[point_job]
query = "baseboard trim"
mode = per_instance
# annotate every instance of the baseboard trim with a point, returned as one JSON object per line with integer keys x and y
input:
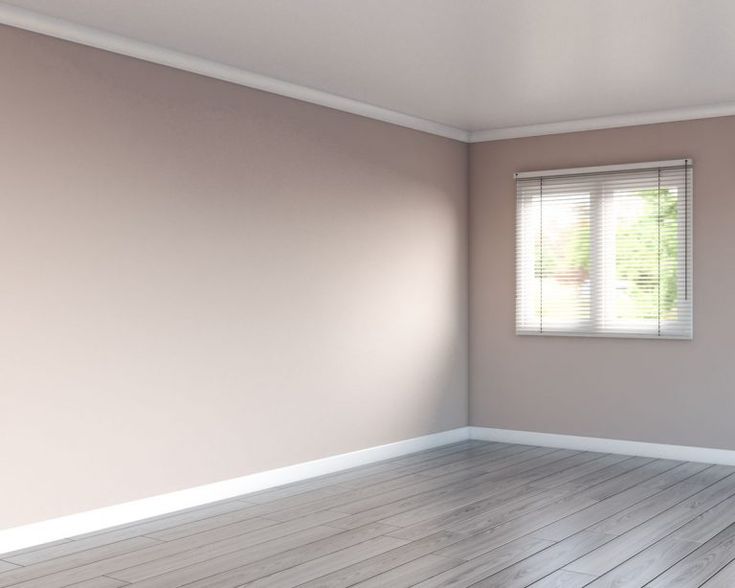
{"x": 640, "y": 448}
{"x": 130, "y": 512}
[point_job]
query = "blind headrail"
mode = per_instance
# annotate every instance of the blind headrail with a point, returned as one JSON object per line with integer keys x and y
{"x": 575, "y": 171}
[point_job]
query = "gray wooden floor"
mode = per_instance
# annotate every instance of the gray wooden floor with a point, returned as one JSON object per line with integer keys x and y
{"x": 470, "y": 514}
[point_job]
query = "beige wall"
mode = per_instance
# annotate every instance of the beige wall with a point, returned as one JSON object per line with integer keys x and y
{"x": 661, "y": 391}
{"x": 201, "y": 281}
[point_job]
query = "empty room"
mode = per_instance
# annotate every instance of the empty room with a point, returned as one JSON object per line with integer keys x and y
{"x": 367, "y": 293}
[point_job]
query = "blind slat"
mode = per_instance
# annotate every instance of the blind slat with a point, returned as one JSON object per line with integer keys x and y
{"x": 606, "y": 253}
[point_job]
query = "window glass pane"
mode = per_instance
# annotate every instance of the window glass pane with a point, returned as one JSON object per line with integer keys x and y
{"x": 563, "y": 260}
{"x": 646, "y": 254}
{"x": 605, "y": 253}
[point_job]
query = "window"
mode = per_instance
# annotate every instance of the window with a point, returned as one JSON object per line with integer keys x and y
{"x": 605, "y": 251}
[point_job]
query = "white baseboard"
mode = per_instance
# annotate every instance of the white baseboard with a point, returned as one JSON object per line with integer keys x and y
{"x": 640, "y": 448}
{"x": 129, "y": 512}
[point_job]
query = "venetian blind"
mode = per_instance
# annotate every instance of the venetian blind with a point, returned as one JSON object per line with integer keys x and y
{"x": 605, "y": 251}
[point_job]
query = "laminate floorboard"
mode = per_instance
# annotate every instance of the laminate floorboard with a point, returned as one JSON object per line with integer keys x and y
{"x": 472, "y": 513}
{"x": 725, "y": 578}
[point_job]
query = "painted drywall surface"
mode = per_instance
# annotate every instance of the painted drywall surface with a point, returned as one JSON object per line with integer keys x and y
{"x": 200, "y": 281}
{"x": 660, "y": 391}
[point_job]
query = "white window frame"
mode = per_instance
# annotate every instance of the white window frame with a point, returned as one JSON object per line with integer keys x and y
{"x": 597, "y": 203}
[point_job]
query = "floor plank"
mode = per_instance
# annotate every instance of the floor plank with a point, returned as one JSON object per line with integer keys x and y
{"x": 101, "y": 582}
{"x": 6, "y": 566}
{"x": 701, "y": 564}
{"x": 39, "y": 573}
{"x": 299, "y": 574}
{"x": 612, "y": 505}
{"x": 646, "y": 565}
{"x": 545, "y": 562}
{"x": 725, "y": 578}
{"x": 647, "y": 509}
{"x": 222, "y": 555}
{"x": 468, "y": 514}
{"x": 639, "y": 538}
{"x": 469, "y": 572}
{"x": 428, "y": 489}
{"x": 563, "y": 579}
{"x": 514, "y": 497}
{"x": 239, "y": 574}
{"x": 373, "y": 566}
{"x": 483, "y": 539}
{"x": 409, "y": 574}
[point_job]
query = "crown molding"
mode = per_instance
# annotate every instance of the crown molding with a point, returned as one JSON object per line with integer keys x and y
{"x": 69, "y": 31}
{"x": 604, "y": 122}
{"x": 92, "y": 37}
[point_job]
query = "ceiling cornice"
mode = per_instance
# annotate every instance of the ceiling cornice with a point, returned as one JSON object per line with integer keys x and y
{"x": 69, "y": 31}
{"x": 604, "y": 122}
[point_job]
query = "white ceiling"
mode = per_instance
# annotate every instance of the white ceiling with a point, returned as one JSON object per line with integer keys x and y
{"x": 475, "y": 65}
